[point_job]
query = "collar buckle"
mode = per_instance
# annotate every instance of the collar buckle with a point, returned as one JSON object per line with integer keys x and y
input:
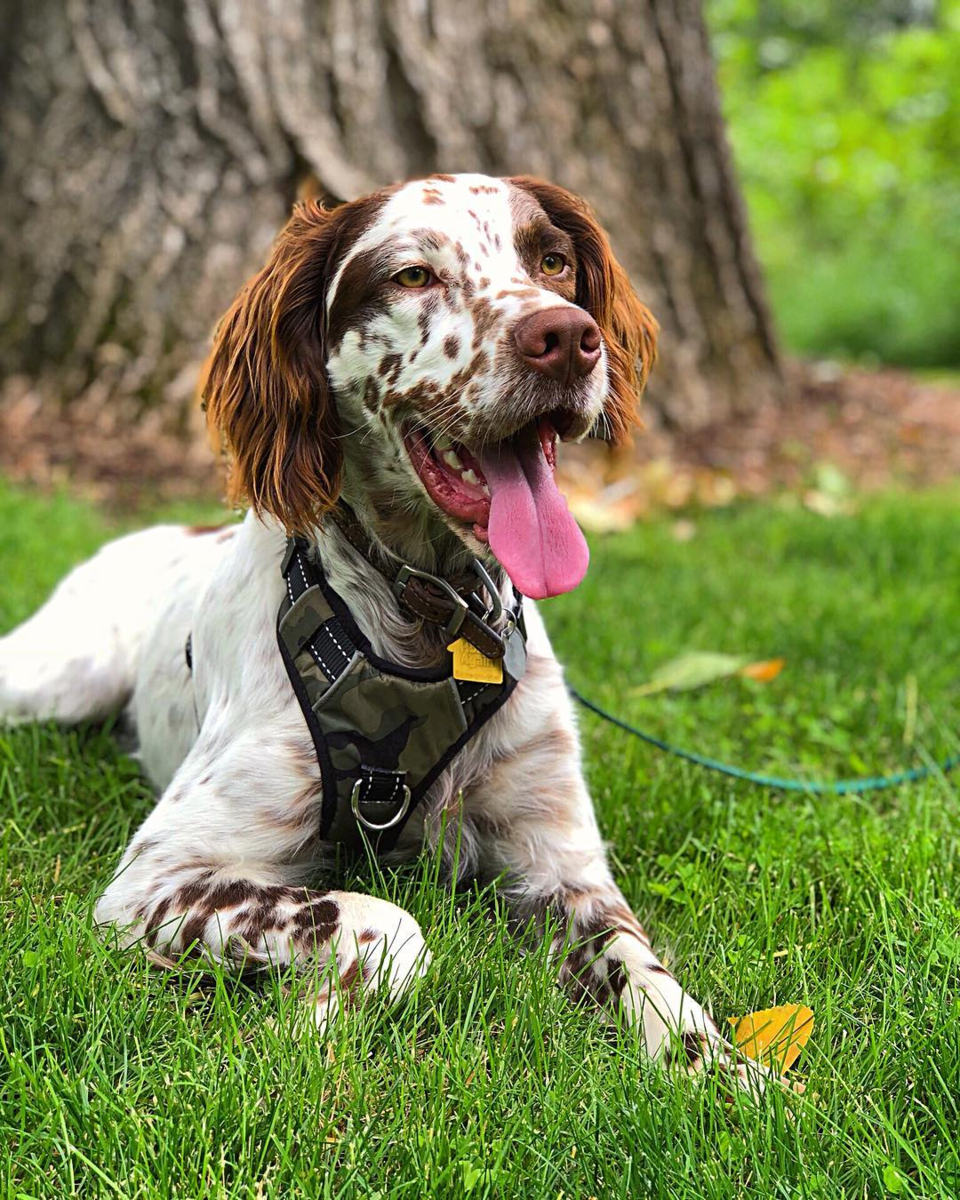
{"x": 460, "y": 606}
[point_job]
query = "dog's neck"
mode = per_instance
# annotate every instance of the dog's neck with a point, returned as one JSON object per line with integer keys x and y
{"x": 417, "y": 538}
{"x": 361, "y": 565}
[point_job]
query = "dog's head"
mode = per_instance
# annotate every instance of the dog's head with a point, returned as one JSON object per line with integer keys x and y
{"x": 422, "y": 350}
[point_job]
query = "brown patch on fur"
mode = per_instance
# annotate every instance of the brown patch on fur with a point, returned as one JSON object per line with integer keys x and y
{"x": 485, "y": 318}
{"x": 431, "y": 239}
{"x": 483, "y": 189}
{"x": 367, "y": 936}
{"x": 265, "y": 384}
{"x": 316, "y": 922}
{"x": 616, "y": 977}
{"x": 351, "y": 982}
{"x": 194, "y": 891}
{"x": 371, "y": 395}
{"x": 156, "y": 919}
{"x": 451, "y": 345}
{"x": 230, "y": 893}
{"x": 693, "y": 1044}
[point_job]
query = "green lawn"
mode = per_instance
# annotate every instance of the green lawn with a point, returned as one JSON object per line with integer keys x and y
{"x": 118, "y": 1079}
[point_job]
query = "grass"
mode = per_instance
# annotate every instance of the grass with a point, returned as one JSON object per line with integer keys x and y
{"x": 120, "y": 1080}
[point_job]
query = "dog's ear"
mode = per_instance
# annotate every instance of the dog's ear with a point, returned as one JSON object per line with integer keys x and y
{"x": 629, "y": 328}
{"x": 265, "y": 385}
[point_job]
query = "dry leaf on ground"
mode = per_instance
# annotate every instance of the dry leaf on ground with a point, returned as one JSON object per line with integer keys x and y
{"x": 774, "y": 1036}
{"x": 763, "y": 672}
{"x": 691, "y": 670}
{"x": 697, "y": 668}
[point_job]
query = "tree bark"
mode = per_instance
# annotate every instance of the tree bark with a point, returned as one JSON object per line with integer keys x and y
{"x": 152, "y": 150}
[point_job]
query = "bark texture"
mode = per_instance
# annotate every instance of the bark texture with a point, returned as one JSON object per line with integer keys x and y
{"x": 151, "y": 151}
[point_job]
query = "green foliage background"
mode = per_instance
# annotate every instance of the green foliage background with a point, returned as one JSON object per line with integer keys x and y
{"x": 845, "y": 123}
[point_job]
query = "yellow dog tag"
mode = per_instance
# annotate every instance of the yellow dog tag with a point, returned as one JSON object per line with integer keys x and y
{"x": 470, "y": 665}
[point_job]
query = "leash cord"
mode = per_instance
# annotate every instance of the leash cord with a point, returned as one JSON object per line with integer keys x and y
{"x": 841, "y": 787}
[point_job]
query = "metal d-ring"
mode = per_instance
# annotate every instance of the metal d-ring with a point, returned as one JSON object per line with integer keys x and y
{"x": 398, "y": 816}
{"x": 495, "y": 612}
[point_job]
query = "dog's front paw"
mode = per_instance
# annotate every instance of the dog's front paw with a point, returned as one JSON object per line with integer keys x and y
{"x": 702, "y": 1056}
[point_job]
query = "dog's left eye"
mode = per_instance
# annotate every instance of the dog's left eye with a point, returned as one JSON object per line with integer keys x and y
{"x": 414, "y": 277}
{"x": 552, "y": 264}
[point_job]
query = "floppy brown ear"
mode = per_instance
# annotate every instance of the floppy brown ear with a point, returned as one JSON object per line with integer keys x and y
{"x": 265, "y": 384}
{"x": 629, "y": 328}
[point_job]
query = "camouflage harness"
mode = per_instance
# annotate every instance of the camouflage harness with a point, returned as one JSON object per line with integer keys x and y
{"x": 382, "y": 732}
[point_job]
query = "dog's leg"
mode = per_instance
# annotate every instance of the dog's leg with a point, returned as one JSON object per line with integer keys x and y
{"x": 538, "y": 832}
{"x": 75, "y": 659}
{"x": 214, "y": 872}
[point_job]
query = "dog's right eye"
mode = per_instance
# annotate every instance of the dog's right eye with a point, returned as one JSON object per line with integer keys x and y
{"x": 414, "y": 277}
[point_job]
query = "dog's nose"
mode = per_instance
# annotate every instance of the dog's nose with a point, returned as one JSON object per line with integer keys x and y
{"x": 561, "y": 343}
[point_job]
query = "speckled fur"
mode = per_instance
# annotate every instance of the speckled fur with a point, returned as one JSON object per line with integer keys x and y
{"x": 226, "y": 864}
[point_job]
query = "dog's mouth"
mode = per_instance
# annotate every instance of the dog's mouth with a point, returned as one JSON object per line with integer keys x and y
{"x": 507, "y": 493}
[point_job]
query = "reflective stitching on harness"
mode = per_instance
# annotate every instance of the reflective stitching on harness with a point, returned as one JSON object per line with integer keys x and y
{"x": 336, "y": 641}
{"x": 328, "y": 671}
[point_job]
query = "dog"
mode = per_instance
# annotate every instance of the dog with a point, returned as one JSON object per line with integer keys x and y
{"x": 410, "y": 359}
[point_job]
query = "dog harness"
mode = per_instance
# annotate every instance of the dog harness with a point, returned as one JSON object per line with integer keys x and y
{"x": 383, "y": 732}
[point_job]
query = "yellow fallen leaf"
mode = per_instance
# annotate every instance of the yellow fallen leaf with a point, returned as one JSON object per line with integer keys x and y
{"x": 774, "y": 1036}
{"x": 763, "y": 672}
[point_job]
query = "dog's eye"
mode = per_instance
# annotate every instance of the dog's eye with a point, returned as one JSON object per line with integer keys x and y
{"x": 552, "y": 264}
{"x": 414, "y": 277}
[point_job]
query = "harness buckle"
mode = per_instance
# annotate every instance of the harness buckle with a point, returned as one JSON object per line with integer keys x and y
{"x": 461, "y": 608}
{"x": 355, "y": 808}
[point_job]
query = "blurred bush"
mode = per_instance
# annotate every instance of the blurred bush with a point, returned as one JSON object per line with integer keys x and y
{"x": 845, "y": 123}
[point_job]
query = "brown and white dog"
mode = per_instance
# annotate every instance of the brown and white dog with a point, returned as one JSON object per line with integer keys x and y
{"x": 417, "y": 354}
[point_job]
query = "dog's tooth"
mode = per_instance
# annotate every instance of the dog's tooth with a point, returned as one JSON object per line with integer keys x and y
{"x": 470, "y": 477}
{"x": 442, "y": 443}
{"x": 450, "y": 458}
{"x": 484, "y": 489}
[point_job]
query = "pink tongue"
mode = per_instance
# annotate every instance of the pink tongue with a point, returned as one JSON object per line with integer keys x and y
{"x": 531, "y": 530}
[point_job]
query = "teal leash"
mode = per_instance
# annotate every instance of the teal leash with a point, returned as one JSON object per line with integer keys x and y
{"x": 842, "y": 787}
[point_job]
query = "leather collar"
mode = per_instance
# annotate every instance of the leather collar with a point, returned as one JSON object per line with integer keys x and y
{"x": 455, "y": 604}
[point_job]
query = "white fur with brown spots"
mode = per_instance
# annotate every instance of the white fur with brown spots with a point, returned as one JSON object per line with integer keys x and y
{"x": 322, "y": 369}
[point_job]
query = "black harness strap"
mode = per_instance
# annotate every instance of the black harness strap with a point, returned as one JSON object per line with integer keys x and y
{"x": 382, "y": 732}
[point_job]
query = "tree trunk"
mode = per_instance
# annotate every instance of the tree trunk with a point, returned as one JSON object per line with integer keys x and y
{"x": 153, "y": 149}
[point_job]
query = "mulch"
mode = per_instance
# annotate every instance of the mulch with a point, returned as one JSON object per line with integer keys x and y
{"x": 840, "y": 431}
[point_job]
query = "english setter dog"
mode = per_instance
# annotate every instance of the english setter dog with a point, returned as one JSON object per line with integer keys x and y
{"x": 410, "y": 359}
